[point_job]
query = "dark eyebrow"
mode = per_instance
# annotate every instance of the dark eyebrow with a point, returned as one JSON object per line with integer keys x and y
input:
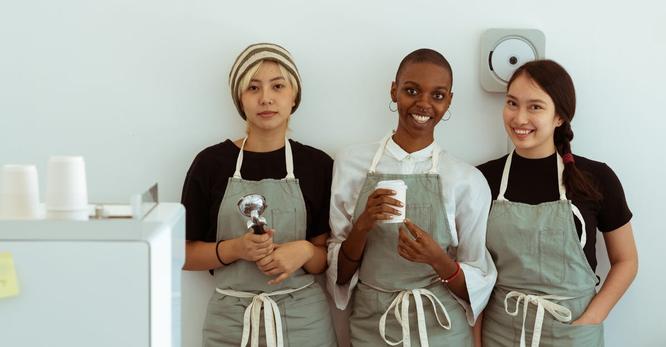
{"x": 528, "y": 101}
{"x": 272, "y": 79}
{"x": 437, "y": 88}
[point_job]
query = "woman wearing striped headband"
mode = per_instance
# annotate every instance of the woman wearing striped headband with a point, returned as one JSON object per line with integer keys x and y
{"x": 542, "y": 225}
{"x": 272, "y": 271}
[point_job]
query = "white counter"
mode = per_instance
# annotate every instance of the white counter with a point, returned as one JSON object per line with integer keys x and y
{"x": 95, "y": 283}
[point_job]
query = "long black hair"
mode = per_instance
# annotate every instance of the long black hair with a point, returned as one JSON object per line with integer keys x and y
{"x": 553, "y": 79}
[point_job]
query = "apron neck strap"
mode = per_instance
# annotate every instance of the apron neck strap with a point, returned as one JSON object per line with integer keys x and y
{"x": 507, "y": 168}
{"x": 379, "y": 153}
{"x": 288, "y": 157}
{"x": 435, "y": 159}
{"x": 505, "y": 177}
{"x": 382, "y": 149}
{"x": 560, "y": 181}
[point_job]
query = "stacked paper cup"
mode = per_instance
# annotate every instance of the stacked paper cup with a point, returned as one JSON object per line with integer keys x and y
{"x": 66, "y": 189}
{"x": 19, "y": 192}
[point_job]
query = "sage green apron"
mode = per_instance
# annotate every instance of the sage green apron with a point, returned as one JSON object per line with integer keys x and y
{"x": 295, "y": 312}
{"x": 544, "y": 280}
{"x": 389, "y": 283}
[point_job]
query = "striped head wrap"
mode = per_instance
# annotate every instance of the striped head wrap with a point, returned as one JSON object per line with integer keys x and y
{"x": 251, "y": 56}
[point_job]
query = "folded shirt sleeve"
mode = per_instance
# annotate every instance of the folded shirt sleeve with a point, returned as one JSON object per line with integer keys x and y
{"x": 467, "y": 201}
{"x": 472, "y": 203}
{"x": 348, "y": 177}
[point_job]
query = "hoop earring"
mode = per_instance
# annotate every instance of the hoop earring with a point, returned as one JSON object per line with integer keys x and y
{"x": 389, "y": 106}
{"x": 449, "y": 117}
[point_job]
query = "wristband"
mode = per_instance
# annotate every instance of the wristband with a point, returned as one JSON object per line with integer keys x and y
{"x": 217, "y": 253}
{"x": 453, "y": 276}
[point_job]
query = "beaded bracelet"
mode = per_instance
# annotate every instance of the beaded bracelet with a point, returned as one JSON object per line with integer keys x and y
{"x": 217, "y": 253}
{"x": 453, "y": 276}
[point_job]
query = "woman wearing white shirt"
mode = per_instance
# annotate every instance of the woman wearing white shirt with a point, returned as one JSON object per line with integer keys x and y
{"x": 438, "y": 256}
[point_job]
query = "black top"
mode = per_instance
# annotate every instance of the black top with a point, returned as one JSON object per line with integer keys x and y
{"x": 207, "y": 179}
{"x": 534, "y": 181}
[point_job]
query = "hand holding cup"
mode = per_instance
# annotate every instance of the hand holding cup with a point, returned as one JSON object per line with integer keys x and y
{"x": 385, "y": 205}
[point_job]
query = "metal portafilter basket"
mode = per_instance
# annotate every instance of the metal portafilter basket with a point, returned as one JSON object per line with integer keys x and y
{"x": 253, "y": 206}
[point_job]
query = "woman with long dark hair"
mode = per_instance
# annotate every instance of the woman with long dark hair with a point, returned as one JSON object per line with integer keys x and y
{"x": 542, "y": 225}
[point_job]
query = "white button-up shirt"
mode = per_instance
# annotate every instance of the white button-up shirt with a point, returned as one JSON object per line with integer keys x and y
{"x": 466, "y": 198}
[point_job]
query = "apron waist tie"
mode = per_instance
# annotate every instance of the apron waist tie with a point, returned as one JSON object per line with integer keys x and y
{"x": 272, "y": 318}
{"x": 543, "y": 303}
{"x": 401, "y": 312}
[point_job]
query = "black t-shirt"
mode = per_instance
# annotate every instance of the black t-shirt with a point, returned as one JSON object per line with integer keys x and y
{"x": 208, "y": 176}
{"x": 534, "y": 181}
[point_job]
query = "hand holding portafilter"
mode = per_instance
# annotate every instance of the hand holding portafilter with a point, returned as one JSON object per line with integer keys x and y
{"x": 253, "y": 206}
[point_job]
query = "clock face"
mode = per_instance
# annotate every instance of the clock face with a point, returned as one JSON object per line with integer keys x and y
{"x": 503, "y": 51}
{"x": 508, "y": 55}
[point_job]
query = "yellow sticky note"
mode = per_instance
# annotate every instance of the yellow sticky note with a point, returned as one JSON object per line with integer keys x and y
{"x": 8, "y": 282}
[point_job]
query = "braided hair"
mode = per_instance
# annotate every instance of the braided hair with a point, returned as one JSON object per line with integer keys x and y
{"x": 553, "y": 79}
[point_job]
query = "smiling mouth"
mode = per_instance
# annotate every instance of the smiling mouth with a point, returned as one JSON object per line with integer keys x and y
{"x": 420, "y": 118}
{"x": 522, "y": 132}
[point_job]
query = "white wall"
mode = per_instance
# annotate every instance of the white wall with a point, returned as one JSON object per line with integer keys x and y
{"x": 138, "y": 88}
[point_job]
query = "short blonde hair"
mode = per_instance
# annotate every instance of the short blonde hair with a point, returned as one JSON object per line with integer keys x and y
{"x": 251, "y": 58}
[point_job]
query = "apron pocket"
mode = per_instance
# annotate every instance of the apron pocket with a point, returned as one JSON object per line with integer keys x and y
{"x": 223, "y": 325}
{"x": 421, "y": 215}
{"x": 307, "y": 319}
{"x": 364, "y": 319}
{"x": 365, "y": 303}
{"x": 588, "y": 335}
{"x": 284, "y": 223}
{"x": 551, "y": 255}
{"x": 499, "y": 328}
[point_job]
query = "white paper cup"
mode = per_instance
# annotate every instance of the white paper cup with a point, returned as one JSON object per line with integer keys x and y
{"x": 66, "y": 188}
{"x": 19, "y": 192}
{"x": 400, "y": 189}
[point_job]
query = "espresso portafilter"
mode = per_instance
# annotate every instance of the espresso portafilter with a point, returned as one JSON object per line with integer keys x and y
{"x": 253, "y": 206}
